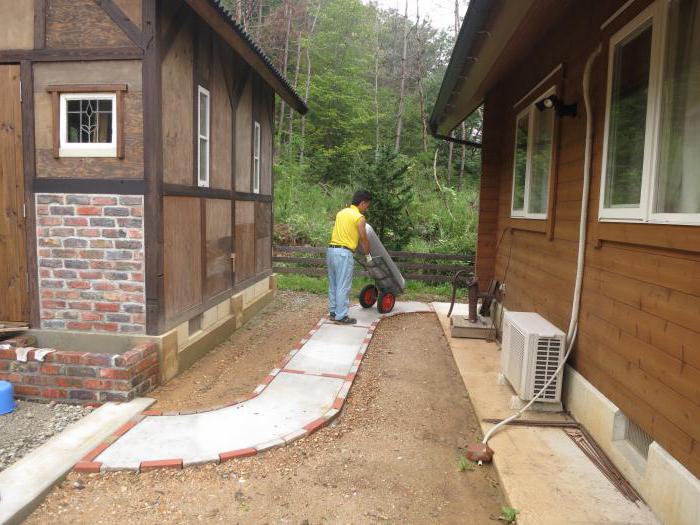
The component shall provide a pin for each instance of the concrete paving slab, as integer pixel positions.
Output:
(286, 405)
(318, 356)
(23, 484)
(365, 316)
(340, 334)
(542, 472)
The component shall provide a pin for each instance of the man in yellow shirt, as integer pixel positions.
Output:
(348, 233)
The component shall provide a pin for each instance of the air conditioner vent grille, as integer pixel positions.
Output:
(546, 363)
(517, 349)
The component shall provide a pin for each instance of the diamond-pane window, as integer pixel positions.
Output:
(88, 125)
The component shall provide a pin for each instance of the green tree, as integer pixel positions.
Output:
(392, 196)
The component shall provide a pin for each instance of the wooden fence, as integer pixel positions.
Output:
(429, 267)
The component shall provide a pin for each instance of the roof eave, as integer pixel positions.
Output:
(214, 14)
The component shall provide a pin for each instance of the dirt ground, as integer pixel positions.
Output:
(390, 457)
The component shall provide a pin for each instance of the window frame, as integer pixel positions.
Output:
(529, 111)
(203, 182)
(86, 149)
(256, 156)
(656, 13)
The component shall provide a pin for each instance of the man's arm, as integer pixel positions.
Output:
(364, 241)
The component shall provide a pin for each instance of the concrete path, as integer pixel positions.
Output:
(304, 393)
(542, 472)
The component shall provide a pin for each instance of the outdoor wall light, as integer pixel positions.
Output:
(561, 109)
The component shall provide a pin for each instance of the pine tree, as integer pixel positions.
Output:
(392, 193)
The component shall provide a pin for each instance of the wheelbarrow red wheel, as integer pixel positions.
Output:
(368, 296)
(386, 303)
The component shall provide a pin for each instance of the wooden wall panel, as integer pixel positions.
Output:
(245, 240)
(218, 247)
(81, 23)
(16, 24)
(263, 240)
(182, 237)
(132, 9)
(244, 139)
(14, 305)
(639, 340)
(64, 73)
(221, 128)
(266, 118)
(177, 110)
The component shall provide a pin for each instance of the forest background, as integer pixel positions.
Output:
(370, 77)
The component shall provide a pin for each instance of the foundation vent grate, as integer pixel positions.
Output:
(636, 437)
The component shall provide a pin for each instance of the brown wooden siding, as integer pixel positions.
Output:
(639, 340)
(230, 219)
(81, 24)
(126, 72)
(16, 24)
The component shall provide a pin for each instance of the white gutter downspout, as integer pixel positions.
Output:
(575, 307)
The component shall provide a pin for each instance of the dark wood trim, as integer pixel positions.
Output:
(86, 88)
(203, 246)
(153, 171)
(241, 196)
(177, 22)
(71, 54)
(240, 84)
(98, 186)
(195, 103)
(123, 21)
(29, 165)
(181, 190)
(39, 24)
(55, 125)
(120, 124)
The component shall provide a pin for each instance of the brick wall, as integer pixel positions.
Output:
(78, 377)
(91, 262)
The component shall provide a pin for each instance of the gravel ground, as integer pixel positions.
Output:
(31, 424)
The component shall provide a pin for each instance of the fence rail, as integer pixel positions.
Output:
(305, 260)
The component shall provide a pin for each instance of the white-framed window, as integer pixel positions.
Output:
(651, 149)
(256, 158)
(88, 125)
(532, 160)
(203, 108)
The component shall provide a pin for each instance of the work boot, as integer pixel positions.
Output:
(346, 320)
(331, 316)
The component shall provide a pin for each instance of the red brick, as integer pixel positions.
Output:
(8, 353)
(106, 327)
(4, 365)
(50, 369)
(80, 305)
(90, 316)
(114, 373)
(54, 393)
(69, 358)
(104, 201)
(152, 413)
(315, 425)
(68, 382)
(90, 274)
(87, 467)
(79, 285)
(12, 378)
(88, 210)
(75, 325)
(97, 384)
(50, 221)
(53, 304)
(338, 403)
(241, 453)
(23, 390)
(160, 463)
(99, 449)
(97, 359)
(106, 286)
(68, 294)
(89, 232)
(107, 307)
(75, 221)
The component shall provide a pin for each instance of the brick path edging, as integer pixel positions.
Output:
(88, 465)
(86, 378)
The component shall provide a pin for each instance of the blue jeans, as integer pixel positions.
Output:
(340, 265)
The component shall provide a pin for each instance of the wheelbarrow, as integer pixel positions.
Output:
(388, 281)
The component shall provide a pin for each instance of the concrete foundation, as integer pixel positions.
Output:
(672, 492)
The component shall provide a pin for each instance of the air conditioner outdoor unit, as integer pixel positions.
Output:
(531, 352)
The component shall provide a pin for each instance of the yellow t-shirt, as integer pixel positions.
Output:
(345, 232)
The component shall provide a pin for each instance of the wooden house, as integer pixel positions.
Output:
(634, 376)
(135, 171)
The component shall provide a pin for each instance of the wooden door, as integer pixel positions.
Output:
(14, 304)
